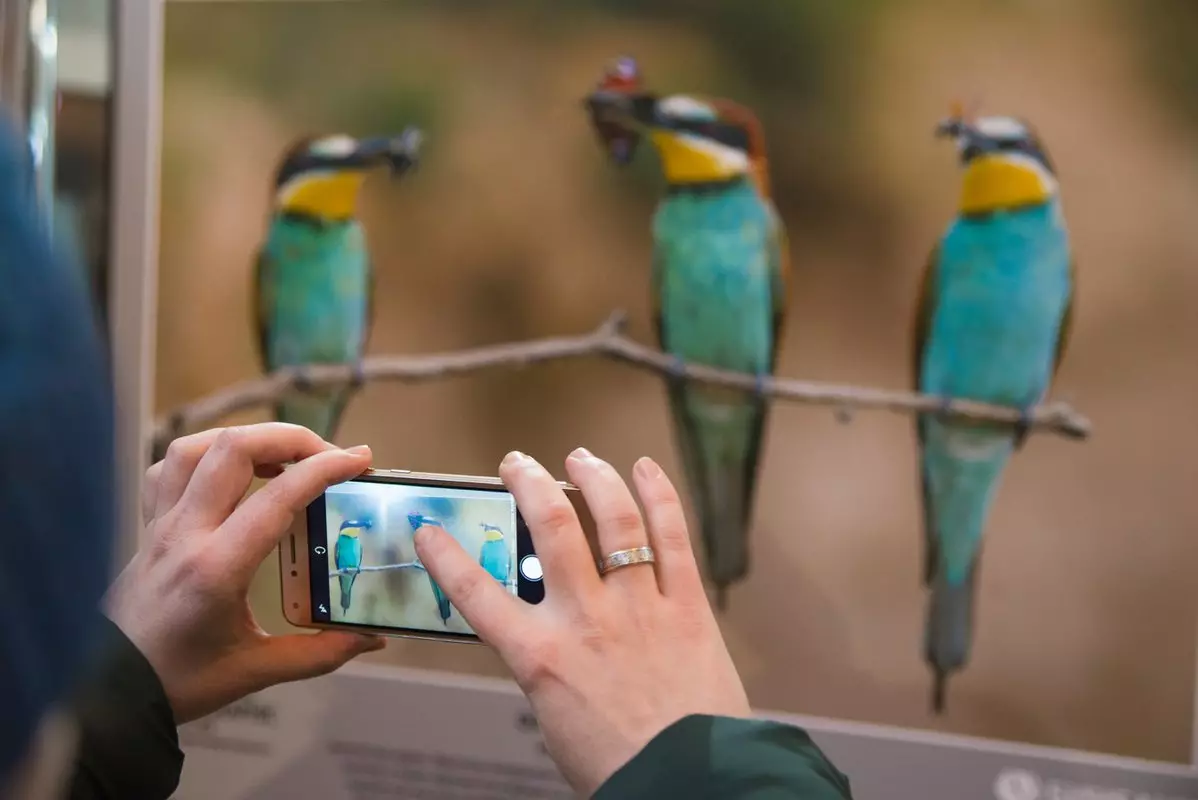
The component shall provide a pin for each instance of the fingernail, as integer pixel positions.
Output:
(581, 453)
(359, 450)
(421, 536)
(371, 643)
(648, 468)
(516, 458)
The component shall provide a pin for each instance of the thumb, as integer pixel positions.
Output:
(299, 656)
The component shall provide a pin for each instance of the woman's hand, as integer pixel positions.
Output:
(607, 662)
(183, 598)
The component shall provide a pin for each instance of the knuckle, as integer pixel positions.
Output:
(540, 663)
(557, 515)
(467, 585)
(229, 439)
(627, 521)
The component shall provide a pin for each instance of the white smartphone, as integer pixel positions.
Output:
(350, 562)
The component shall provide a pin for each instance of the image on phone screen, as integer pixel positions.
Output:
(364, 567)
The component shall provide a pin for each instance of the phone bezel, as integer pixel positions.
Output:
(294, 563)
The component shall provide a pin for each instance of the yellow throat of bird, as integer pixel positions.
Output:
(1001, 181)
(325, 195)
(691, 159)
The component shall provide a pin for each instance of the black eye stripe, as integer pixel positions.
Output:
(722, 132)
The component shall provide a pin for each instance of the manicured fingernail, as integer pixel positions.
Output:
(359, 450)
(648, 468)
(581, 453)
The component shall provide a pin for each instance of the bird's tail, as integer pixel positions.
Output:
(443, 606)
(720, 442)
(347, 584)
(319, 411)
(949, 632)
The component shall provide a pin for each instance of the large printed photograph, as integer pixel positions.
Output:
(962, 200)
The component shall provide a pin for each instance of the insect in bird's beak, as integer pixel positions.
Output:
(403, 153)
(612, 115)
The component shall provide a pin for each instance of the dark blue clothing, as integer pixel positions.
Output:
(57, 493)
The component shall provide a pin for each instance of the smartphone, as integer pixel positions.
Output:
(350, 562)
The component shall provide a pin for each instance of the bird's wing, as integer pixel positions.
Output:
(371, 286)
(924, 307)
(1066, 320)
(656, 275)
(779, 281)
(263, 305)
(337, 552)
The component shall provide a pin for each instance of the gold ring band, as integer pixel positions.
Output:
(626, 558)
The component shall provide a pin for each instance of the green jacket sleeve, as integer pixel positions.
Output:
(720, 757)
(128, 745)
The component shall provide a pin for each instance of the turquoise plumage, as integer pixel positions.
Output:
(444, 609)
(494, 556)
(715, 277)
(991, 327)
(347, 555)
(313, 281)
(719, 283)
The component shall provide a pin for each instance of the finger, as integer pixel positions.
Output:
(300, 656)
(677, 570)
(493, 613)
(251, 532)
(617, 518)
(149, 492)
(223, 475)
(556, 532)
(178, 465)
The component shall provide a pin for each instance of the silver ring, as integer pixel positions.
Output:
(626, 558)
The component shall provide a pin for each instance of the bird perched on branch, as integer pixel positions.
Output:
(719, 276)
(347, 554)
(992, 324)
(444, 609)
(313, 283)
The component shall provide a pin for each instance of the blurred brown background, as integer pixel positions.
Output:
(516, 227)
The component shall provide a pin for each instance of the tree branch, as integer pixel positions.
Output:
(606, 341)
(381, 568)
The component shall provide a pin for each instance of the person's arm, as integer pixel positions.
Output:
(128, 744)
(722, 757)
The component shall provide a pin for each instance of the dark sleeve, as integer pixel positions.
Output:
(720, 757)
(128, 748)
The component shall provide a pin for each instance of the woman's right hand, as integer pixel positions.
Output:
(607, 662)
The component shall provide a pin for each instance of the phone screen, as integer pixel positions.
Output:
(364, 567)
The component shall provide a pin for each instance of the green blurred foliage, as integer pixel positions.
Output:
(1168, 44)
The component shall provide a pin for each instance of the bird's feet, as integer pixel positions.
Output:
(761, 384)
(357, 375)
(676, 369)
(944, 405)
(1023, 426)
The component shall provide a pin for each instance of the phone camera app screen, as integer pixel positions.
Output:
(374, 576)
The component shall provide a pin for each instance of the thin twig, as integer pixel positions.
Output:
(606, 341)
(406, 565)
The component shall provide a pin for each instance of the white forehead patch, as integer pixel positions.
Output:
(683, 107)
(335, 146)
(1001, 128)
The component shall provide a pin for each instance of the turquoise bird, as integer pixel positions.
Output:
(719, 277)
(494, 556)
(443, 606)
(992, 325)
(313, 282)
(347, 555)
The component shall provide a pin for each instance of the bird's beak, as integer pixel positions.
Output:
(971, 143)
(618, 119)
(400, 153)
